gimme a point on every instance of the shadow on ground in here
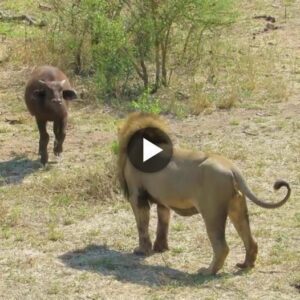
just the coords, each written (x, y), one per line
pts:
(127, 267)
(15, 170)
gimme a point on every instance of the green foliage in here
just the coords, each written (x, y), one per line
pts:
(159, 27)
(115, 147)
(146, 103)
(119, 42)
(62, 200)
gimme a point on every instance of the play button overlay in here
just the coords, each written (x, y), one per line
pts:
(150, 150)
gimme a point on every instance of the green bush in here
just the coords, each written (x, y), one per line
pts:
(124, 44)
(146, 103)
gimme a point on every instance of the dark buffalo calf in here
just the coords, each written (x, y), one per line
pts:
(47, 94)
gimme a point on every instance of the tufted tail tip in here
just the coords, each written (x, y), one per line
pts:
(280, 183)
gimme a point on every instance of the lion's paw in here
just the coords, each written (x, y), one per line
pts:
(142, 252)
(244, 265)
(206, 271)
(160, 247)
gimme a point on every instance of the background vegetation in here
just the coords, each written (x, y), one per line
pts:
(132, 54)
(119, 40)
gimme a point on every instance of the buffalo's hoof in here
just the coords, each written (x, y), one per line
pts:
(44, 160)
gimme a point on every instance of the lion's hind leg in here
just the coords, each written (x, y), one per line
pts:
(238, 214)
(215, 222)
(161, 242)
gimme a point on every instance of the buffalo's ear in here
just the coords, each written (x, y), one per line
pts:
(39, 94)
(69, 94)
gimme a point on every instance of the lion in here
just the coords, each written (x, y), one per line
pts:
(192, 183)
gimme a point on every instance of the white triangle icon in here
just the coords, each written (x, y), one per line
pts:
(149, 150)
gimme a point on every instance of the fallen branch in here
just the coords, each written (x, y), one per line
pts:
(265, 17)
(4, 17)
(13, 121)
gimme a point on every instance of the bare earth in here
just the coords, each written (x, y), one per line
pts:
(67, 233)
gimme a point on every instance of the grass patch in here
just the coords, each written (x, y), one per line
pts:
(54, 234)
(177, 250)
(178, 226)
(62, 200)
(21, 6)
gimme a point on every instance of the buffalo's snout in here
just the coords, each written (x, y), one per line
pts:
(57, 100)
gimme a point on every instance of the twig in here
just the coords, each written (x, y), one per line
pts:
(249, 133)
(272, 272)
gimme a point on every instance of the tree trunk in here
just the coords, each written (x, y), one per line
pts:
(154, 7)
(164, 55)
(157, 66)
(142, 72)
(163, 65)
(78, 64)
(145, 77)
(187, 41)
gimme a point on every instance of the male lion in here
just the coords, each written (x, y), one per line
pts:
(193, 182)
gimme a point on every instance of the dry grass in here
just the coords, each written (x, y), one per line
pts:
(199, 103)
(67, 233)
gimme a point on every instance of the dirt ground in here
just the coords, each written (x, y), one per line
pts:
(67, 233)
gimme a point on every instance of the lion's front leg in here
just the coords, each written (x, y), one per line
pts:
(142, 216)
(161, 242)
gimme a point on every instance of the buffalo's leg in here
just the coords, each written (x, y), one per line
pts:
(161, 242)
(59, 128)
(44, 140)
(141, 210)
(238, 214)
(215, 225)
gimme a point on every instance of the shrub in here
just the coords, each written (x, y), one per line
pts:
(123, 42)
(146, 103)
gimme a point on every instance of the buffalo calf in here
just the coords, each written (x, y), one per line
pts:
(47, 94)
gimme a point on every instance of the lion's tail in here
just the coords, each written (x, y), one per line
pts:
(132, 124)
(243, 187)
